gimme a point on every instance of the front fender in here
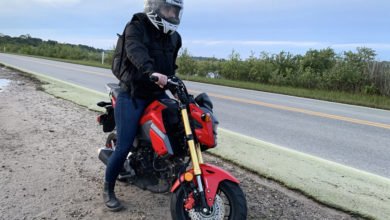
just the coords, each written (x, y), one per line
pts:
(211, 176)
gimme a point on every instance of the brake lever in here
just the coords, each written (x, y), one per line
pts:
(171, 82)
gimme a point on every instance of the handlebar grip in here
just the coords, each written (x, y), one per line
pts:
(153, 78)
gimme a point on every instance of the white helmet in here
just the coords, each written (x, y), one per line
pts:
(164, 14)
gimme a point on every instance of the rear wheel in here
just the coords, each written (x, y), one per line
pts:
(230, 203)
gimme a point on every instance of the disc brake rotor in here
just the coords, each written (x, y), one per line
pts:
(217, 211)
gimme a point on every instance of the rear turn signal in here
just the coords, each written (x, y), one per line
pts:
(188, 177)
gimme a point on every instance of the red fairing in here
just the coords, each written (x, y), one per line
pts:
(205, 134)
(153, 113)
(158, 143)
(211, 176)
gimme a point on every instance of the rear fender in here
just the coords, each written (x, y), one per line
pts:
(211, 176)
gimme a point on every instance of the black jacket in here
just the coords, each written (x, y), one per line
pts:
(147, 50)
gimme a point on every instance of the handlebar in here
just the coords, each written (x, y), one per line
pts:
(177, 88)
(170, 81)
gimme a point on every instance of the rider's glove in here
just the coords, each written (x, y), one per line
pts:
(162, 79)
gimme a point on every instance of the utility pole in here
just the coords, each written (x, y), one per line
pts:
(103, 57)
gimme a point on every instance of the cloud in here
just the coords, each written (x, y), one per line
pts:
(306, 44)
(382, 46)
(256, 43)
(21, 4)
(272, 4)
(28, 7)
(221, 48)
(57, 2)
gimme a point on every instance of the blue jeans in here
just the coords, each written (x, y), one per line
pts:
(128, 112)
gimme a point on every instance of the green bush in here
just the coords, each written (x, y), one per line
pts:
(318, 69)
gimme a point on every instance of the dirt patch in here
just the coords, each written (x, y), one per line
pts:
(49, 167)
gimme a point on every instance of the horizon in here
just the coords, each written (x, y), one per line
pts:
(214, 29)
(206, 57)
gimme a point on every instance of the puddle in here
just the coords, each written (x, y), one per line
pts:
(3, 84)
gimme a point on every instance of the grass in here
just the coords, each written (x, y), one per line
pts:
(373, 101)
(81, 62)
(85, 62)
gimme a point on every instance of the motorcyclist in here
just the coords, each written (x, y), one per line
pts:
(151, 49)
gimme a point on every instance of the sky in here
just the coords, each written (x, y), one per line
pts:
(214, 28)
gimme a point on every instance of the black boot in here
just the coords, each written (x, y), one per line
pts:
(109, 197)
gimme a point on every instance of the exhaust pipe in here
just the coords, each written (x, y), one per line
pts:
(126, 171)
(104, 154)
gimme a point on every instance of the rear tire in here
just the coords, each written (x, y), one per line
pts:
(234, 203)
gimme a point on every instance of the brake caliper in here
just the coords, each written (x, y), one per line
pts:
(189, 203)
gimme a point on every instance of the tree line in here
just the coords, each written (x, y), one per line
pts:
(351, 71)
(25, 44)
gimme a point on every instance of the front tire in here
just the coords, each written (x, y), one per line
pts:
(229, 197)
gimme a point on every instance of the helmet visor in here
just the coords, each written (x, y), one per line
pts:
(170, 13)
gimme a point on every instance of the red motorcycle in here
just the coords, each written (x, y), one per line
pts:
(167, 155)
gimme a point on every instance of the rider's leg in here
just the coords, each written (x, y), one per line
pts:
(127, 114)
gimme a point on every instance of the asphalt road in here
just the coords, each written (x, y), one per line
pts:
(355, 136)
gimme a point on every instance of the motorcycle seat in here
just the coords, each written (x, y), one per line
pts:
(114, 88)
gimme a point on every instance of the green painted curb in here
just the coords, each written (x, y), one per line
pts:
(333, 184)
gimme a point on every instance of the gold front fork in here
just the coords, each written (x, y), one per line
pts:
(196, 156)
(195, 152)
(199, 153)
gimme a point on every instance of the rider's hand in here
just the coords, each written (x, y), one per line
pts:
(162, 79)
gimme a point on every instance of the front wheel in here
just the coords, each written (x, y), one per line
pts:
(230, 203)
